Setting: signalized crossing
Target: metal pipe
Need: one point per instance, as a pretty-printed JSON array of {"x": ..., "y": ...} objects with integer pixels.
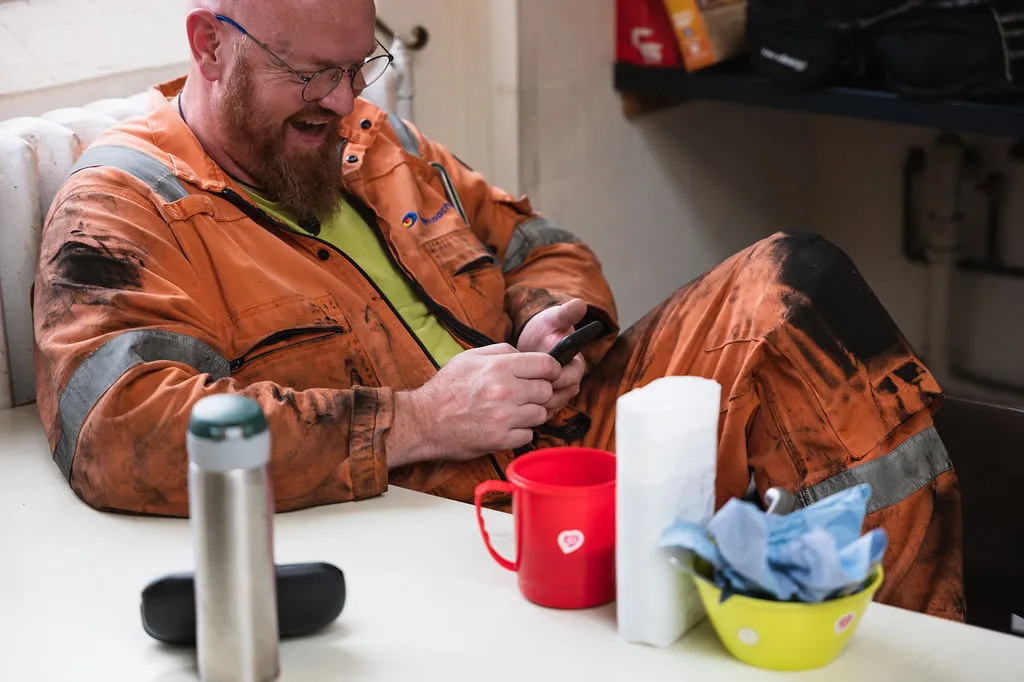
[
  {"x": 942, "y": 224},
  {"x": 418, "y": 41}
]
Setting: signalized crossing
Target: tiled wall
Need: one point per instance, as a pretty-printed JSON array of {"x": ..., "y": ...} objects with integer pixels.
[{"x": 662, "y": 197}]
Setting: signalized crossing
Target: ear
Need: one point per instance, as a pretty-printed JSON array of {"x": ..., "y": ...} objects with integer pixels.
[{"x": 209, "y": 53}]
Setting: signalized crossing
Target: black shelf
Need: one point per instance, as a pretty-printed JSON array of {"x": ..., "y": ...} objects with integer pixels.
[{"x": 736, "y": 82}]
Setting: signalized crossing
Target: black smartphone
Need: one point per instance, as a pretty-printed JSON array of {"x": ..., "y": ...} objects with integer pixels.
[{"x": 566, "y": 349}]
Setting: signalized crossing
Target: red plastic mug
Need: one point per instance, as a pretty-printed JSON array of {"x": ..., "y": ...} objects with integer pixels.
[{"x": 563, "y": 504}]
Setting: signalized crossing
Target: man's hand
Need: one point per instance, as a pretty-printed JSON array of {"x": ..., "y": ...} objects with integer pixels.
[
  {"x": 542, "y": 333},
  {"x": 484, "y": 400}
]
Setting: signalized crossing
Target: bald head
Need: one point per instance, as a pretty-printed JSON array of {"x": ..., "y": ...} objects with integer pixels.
[{"x": 305, "y": 33}]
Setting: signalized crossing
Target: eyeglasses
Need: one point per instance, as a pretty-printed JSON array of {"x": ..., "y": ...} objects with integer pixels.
[{"x": 323, "y": 82}]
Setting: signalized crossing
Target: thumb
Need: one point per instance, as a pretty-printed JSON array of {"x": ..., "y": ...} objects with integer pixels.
[{"x": 569, "y": 313}]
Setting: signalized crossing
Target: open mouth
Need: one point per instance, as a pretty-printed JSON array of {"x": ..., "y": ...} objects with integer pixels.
[
  {"x": 311, "y": 133},
  {"x": 309, "y": 128}
]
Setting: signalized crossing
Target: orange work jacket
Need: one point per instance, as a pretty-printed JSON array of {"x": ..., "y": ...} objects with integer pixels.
[{"x": 159, "y": 283}]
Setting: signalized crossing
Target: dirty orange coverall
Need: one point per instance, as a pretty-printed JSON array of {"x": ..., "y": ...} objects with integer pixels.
[{"x": 160, "y": 283}]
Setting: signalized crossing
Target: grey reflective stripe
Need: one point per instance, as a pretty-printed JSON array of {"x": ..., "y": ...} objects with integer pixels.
[
  {"x": 894, "y": 477},
  {"x": 139, "y": 164},
  {"x": 533, "y": 234},
  {"x": 101, "y": 369},
  {"x": 405, "y": 135},
  {"x": 449, "y": 191}
]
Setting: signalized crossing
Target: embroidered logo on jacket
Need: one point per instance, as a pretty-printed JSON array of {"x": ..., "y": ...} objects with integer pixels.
[
  {"x": 409, "y": 220},
  {"x": 441, "y": 212}
]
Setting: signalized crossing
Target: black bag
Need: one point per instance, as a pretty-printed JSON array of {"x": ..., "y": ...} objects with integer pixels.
[
  {"x": 795, "y": 46},
  {"x": 968, "y": 49},
  {"x": 970, "y": 53}
]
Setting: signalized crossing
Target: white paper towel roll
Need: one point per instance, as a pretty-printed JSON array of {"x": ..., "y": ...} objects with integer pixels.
[{"x": 666, "y": 443}]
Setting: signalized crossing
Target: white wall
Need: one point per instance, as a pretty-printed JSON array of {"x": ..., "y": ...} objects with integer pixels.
[
  {"x": 59, "y": 53},
  {"x": 660, "y": 198},
  {"x": 457, "y": 76}
]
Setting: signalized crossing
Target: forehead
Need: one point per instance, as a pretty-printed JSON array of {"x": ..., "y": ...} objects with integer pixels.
[{"x": 317, "y": 33}]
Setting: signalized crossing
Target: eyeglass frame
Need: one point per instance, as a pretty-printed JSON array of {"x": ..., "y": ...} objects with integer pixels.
[{"x": 306, "y": 80}]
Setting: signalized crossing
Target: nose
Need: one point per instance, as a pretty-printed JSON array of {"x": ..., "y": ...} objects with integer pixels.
[{"x": 340, "y": 100}]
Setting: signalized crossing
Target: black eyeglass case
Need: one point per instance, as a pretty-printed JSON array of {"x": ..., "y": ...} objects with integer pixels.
[{"x": 310, "y": 596}]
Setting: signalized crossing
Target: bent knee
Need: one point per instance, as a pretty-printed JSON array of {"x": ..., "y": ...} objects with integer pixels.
[
  {"x": 802, "y": 255},
  {"x": 824, "y": 296}
]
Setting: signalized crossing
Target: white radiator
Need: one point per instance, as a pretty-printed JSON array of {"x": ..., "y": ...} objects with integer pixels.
[{"x": 36, "y": 154}]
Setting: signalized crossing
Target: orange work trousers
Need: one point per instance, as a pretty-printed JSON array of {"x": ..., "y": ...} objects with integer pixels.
[{"x": 820, "y": 391}]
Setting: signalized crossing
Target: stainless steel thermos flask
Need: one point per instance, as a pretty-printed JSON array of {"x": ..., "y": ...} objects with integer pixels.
[{"x": 231, "y": 517}]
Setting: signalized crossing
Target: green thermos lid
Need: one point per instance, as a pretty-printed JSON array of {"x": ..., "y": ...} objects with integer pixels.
[{"x": 225, "y": 415}]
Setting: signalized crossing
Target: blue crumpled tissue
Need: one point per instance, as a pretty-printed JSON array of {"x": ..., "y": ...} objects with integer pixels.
[{"x": 810, "y": 555}]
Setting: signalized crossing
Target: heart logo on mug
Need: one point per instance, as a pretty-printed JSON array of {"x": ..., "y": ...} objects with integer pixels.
[{"x": 570, "y": 540}]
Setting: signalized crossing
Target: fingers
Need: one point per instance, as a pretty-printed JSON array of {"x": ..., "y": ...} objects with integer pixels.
[
  {"x": 560, "y": 399},
  {"x": 528, "y": 416},
  {"x": 517, "y": 438},
  {"x": 534, "y": 366},
  {"x": 567, "y": 386},
  {"x": 535, "y": 392},
  {"x": 493, "y": 349},
  {"x": 571, "y": 375}
]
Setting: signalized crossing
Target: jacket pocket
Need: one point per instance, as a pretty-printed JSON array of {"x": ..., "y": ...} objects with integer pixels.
[
  {"x": 284, "y": 340},
  {"x": 475, "y": 276},
  {"x": 298, "y": 342}
]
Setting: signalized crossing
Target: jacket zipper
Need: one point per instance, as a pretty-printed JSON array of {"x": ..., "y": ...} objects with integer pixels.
[
  {"x": 283, "y": 335},
  {"x": 262, "y": 218},
  {"x": 468, "y": 334}
]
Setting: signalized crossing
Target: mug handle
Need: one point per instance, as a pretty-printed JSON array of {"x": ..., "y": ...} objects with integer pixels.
[{"x": 478, "y": 493}]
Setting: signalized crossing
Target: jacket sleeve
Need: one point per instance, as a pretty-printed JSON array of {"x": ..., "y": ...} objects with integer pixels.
[
  {"x": 124, "y": 349},
  {"x": 544, "y": 264}
]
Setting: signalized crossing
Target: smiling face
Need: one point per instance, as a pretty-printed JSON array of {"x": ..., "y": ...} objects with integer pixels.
[{"x": 290, "y": 146}]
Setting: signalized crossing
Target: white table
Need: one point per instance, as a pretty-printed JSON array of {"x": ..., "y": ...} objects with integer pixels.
[{"x": 425, "y": 601}]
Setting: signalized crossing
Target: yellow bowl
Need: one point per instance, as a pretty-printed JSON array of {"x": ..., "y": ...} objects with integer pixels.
[{"x": 786, "y": 635}]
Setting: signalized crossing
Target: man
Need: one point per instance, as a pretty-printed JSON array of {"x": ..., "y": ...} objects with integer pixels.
[{"x": 263, "y": 231}]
